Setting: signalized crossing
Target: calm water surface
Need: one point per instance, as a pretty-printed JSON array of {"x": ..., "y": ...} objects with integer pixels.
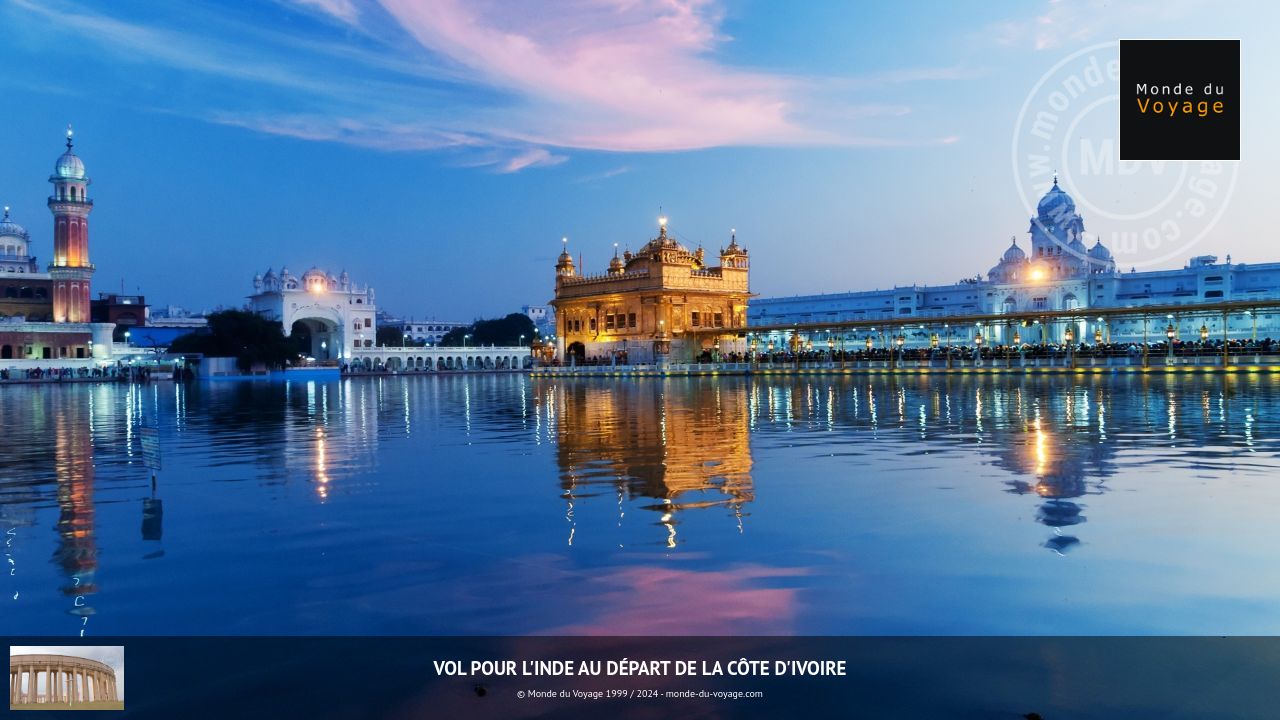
[{"x": 509, "y": 505}]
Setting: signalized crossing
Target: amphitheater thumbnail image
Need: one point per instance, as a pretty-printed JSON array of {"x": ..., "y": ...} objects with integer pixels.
[{"x": 66, "y": 678}]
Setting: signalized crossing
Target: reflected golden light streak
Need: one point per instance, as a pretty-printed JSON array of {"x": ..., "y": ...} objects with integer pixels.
[
  {"x": 1040, "y": 448},
  {"x": 321, "y": 466}
]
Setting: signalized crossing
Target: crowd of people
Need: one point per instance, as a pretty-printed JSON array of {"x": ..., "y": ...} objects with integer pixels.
[
  {"x": 968, "y": 353},
  {"x": 118, "y": 372},
  {"x": 965, "y": 353}
]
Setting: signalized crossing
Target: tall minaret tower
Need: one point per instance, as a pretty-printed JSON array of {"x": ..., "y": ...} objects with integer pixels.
[{"x": 70, "y": 269}]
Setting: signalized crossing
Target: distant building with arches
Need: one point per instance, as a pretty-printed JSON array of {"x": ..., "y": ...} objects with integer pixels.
[{"x": 428, "y": 331}]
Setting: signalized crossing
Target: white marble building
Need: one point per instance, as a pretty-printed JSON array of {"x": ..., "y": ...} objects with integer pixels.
[
  {"x": 339, "y": 315},
  {"x": 1060, "y": 271}
]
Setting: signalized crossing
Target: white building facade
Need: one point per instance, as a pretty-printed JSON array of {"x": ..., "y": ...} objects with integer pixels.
[
  {"x": 428, "y": 331},
  {"x": 1060, "y": 271},
  {"x": 543, "y": 317},
  {"x": 339, "y": 316}
]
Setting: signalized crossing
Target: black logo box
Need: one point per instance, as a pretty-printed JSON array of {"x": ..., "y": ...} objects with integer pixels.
[{"x": 1178, "y": 72}]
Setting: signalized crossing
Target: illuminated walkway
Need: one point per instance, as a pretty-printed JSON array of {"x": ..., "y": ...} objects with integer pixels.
[{"x": 1013, "y": 365}]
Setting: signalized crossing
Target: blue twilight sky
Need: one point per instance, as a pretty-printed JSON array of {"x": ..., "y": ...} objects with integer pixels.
[{"x": 439, "y": 149}]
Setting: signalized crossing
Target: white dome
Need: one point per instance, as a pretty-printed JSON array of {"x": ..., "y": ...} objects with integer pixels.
[
  {"x": 69, "y": 166},
  {"x": 9, "y": 228},
  {"x": 1014, "y": 253}
]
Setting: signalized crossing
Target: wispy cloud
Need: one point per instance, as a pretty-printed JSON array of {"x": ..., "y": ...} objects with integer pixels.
[
  {"x": 1066, "y": 22},
  {"x": 517, "y": 84},
  {"x": 630, "y": 75},
  {"x": 343, "y": 10},
  {"x": 533, "y": 157},
  {"x": 610, "y": 173}
]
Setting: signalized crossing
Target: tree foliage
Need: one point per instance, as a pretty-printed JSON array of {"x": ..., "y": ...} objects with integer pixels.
[
  {"x": 248, "y": 337},
  {"x": 389, "y": 336},
  {"x": 498, "y": 331}
]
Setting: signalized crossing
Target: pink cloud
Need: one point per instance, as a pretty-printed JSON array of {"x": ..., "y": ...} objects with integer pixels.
[
  {"x": 507, "y": 86},
  {"x": 672, "y": 601},
  {"x": 612, "y": 74}
]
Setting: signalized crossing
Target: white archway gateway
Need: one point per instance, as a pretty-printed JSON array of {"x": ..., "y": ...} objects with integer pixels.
[
  {"x": 323, "y": 338},
  {"x": 337, "y": 315},
  {"x": 442, "y": 359}
]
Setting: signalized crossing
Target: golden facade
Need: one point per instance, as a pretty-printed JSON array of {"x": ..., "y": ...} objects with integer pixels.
[{"x": 662, "y": 302}]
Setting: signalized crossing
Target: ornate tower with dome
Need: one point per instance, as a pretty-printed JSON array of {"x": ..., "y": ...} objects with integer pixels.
[
  {"x": 1058, "y": 249},
  {"x": 45, "y": 314},
  {"x": 70, "y": 269},
  {"x": 662, "y": 300}
]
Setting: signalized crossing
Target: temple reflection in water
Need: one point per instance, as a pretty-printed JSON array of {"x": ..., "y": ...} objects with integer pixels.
[
  {"x": 685, "y": 444},
  {"x": 442, "y": 478},
  {"x": 77, "y": 552},
  {"x": 688, "y": 443}
]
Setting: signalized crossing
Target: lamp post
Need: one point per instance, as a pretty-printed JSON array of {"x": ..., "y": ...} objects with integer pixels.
[
  {"x": 900, "y": 341},
  {"x": 977, "y": 355},
  {"x": 1204, "y": 338},
  {"x": 1170, "y": 332},
  {"x": 1069, "y": 336},
  {"x": 1017, "y": 342},
  {"x": 831, "y": 348}
]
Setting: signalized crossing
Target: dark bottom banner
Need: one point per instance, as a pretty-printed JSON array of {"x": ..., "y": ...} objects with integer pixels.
[{"x": 346, "y": 678}]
